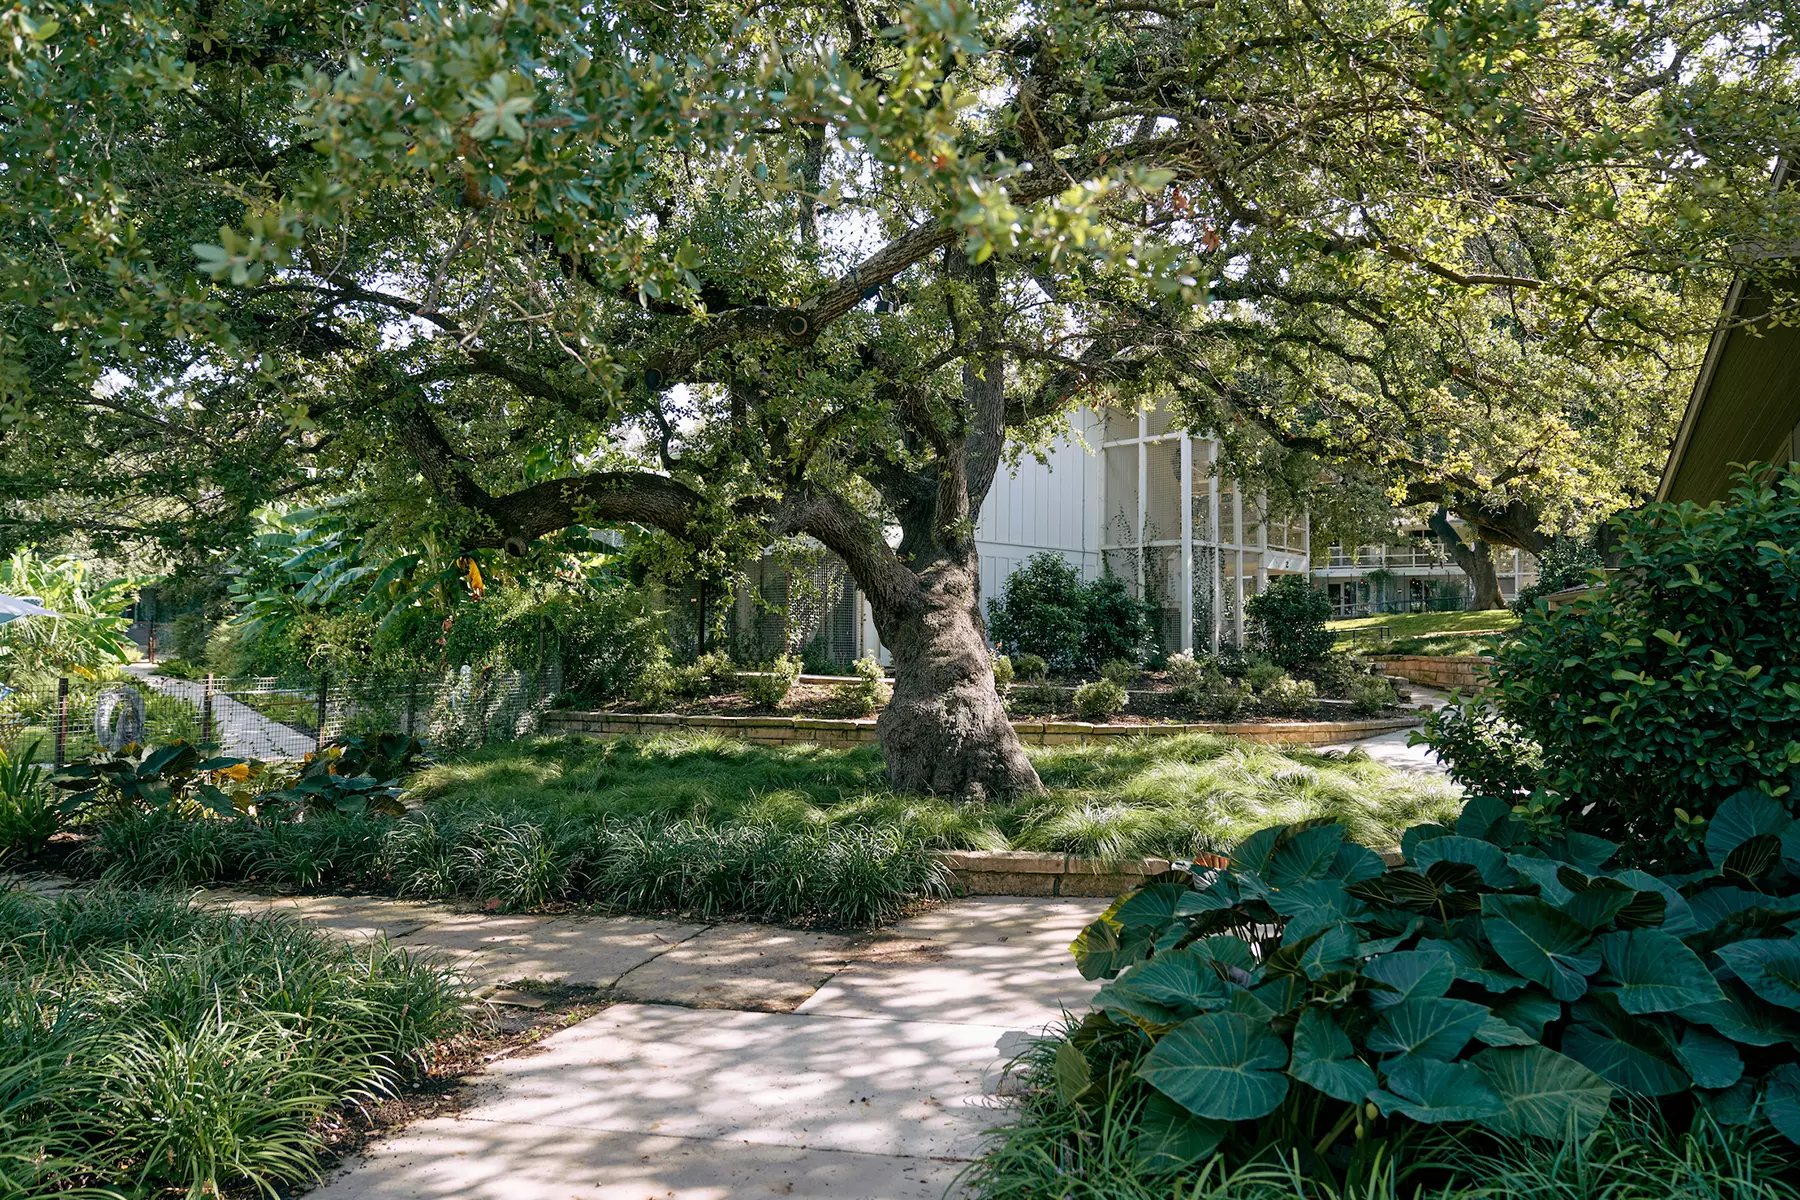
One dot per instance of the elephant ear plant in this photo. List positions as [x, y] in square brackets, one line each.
[1306, 996]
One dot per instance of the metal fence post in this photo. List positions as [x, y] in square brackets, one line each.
[206, 712]
[62, 719]
[324, 692]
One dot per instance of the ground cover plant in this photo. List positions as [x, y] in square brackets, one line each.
[799, 834]
[152, 1048]
[1305, 1001]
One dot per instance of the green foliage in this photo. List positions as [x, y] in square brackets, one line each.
[1046, 611]
[1113, 1144]
[1499, 980]
[1261, 672]
[1031, 668]
[1003, 673]
[608, 638]
[1679, 683]
[180, 668]
[1168, 797]
[1486, 753]
[870, 691]
[1120, 671]
[834, 873]
[770, 688]
[1287, 621]
[1369, 694]
[1042, 613]
[87, 635]
[28, 817]
[355, 774]
[1185, 672]
[152, 1048]
[1100, 700]
[1568, 562]
[1289, 696]
[177, 776]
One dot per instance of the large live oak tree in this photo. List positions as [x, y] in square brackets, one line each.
[743, 273]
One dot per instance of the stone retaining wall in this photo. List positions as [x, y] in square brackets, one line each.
[781, 731]
[1028, 873]
[1466, 671]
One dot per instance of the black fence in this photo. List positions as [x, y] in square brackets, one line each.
[272, 718]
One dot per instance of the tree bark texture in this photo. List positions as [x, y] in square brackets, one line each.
[1476, 560]
[946, 729]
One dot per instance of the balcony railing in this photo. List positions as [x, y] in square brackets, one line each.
[1371, 557]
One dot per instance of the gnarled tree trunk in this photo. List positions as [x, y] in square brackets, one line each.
[1476, 561]
[946, 730]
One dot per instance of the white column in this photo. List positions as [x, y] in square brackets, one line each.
[1217, 537]
[1143, 494]
[1187, 543]
[1237, 588]
[1262, 542]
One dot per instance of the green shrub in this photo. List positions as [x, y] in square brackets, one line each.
[1500, 981]
[1260, 672]
[769, 689]
[1045, 609]
[869, 692]
[1031, 668]
[1290, 696]
[609, 637]
[180, 668]
[1184, 671]
[1486, 753]
[1339, 671]
[1099, 701]
[28, 817]
[1287, 621]
[717, 673]
[1120, 671]
[1222, 699]
[1003, 673]
[1568, 562]
[1679, 683]
[1041, 612]
[1369, 694]
[152, 1048]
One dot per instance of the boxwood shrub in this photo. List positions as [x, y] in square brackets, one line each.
[1306, 996]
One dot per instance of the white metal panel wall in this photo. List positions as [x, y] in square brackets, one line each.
[1049, 505]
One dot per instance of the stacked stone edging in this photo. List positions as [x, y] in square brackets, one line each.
[1029, 873]
[781, 731]
[1466, 671]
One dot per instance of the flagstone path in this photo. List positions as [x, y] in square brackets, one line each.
[739, 1061]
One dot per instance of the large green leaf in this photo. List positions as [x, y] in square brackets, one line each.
[1166, 990]
[1472, 965]
[1545, 1094]
[1768, 967]
[1546, 873]
[1325, 1058]
[1678, 918]
[1355, 863]
[1488, 859]
[1599, 901]
[1427, 1028]
[1541, 943]
[1433, 1092]
[1781, 1100]
[1531, 1010]
[1223, 1066]
[1487, 818]
[1424, 974]
[1653, 971]
[1072, 1073]
[1103, 949]
[1746, 1018]
[1156, 904]
[1418, 835]
[1314, 905]
[1712, 1061]
[1304, 855]
[1168, 1137]
[1746, 815]
[1626, 1051]
[1497, 1031]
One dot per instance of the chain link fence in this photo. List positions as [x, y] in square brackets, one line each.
[273, 718]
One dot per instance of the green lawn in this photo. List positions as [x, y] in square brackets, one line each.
[1172, 796]
[1402, 625]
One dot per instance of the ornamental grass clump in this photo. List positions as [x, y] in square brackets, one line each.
[148, 1047]
[1507, 984]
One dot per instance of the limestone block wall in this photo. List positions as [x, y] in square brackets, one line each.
[1465, 671]
[780, 731]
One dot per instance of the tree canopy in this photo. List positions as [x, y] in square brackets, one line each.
[733, 274]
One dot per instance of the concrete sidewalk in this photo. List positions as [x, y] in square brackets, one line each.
[742, 1060]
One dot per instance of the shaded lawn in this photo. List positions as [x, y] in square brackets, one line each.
[1168, 796]
[1403, 625]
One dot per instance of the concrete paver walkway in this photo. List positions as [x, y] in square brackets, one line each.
[740, 1060]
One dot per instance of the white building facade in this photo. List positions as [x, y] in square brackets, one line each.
[1123, 491]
